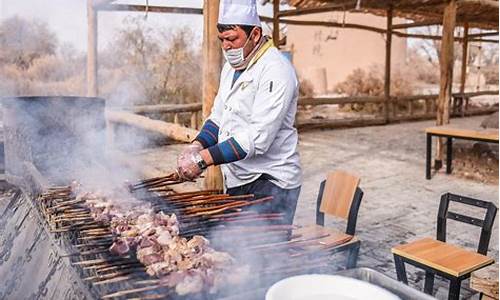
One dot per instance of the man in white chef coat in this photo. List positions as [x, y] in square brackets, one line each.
[250, 132]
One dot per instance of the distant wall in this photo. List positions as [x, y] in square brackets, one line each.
[325, 56]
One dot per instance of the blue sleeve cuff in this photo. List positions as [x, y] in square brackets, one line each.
[208, 135]
[226, 152]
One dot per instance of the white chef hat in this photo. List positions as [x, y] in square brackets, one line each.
[238, 12]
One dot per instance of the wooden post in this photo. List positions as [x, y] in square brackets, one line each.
[92, 90]
[194, 120]
[212, 61]
[387, 77]
[276, 23]
[465, 56]
[446, 77]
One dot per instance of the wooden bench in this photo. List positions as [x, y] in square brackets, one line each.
[489, 136]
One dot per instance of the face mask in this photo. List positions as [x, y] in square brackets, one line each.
[236, 57]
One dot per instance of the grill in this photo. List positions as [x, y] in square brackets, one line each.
[50, 141]
[245, 234]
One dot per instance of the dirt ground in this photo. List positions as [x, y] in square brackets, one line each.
[399, 204]
[476, 161]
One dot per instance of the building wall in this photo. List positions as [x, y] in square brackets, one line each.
[325, 56]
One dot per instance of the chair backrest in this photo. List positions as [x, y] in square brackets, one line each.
[340, 196]
[486, 223]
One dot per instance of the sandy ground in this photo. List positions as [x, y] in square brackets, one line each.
[399, 204]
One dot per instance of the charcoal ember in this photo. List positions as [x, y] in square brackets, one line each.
[120, 247]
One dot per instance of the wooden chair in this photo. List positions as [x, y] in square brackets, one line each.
[339, 196]
[438, 257]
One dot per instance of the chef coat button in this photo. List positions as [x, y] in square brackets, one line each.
[225, 107]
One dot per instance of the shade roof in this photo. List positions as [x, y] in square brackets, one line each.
[478, 13]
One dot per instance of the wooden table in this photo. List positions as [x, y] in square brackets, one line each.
[486, 281]
[489, 136]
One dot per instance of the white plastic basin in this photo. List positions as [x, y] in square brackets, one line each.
[326, 287]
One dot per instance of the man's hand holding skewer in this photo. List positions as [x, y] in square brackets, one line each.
[192, 161]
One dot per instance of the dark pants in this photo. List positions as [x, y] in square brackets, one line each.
[284, 200]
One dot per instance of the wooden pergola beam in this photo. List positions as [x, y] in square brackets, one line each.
[491, 3]
[484, 41]
[482, 34]
[416, 24]
[315, 10]
[439, 37]
[332, 24]
[153, 9]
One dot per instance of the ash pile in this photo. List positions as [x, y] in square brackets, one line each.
[64, 237]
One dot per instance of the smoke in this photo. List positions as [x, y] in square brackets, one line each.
[66, 139]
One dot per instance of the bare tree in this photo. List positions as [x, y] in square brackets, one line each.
[151, 66]
[22, 41]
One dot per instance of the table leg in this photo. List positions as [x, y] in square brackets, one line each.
[449, 154]
[428, 157]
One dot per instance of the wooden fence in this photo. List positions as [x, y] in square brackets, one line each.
[400, 108]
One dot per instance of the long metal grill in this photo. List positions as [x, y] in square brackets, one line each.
[228, 221]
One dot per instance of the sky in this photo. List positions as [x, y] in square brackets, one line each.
[68, 18]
